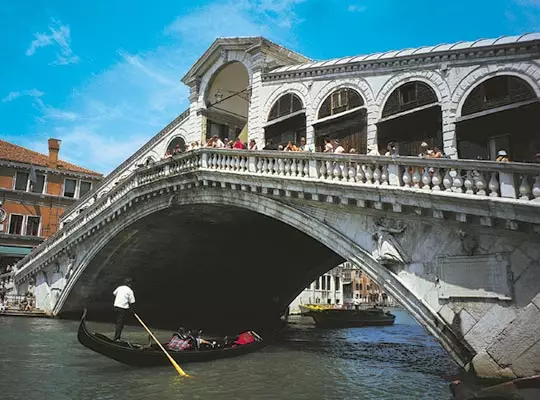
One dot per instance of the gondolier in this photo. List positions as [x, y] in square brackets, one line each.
[123, 301]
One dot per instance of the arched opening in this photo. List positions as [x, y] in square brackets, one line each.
[342, 116]
[227, 102]
[286, 121]
[411, 115]
[177, 145]
[501, 113]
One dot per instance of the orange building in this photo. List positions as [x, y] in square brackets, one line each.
[35, 189]
[357, 285]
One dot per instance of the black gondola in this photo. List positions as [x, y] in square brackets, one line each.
[143, 356]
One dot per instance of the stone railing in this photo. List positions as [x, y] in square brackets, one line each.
[458, 178]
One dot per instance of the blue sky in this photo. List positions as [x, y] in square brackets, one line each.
[104, 76]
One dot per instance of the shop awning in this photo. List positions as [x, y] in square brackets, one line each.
[14, 251]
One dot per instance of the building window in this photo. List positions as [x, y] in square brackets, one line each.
[39, 184]
[323, 283]
[368, 287]
[285, 105]
[339, 101]
[317, 284]
[337, 282]
[69, 187]
[21, 180]
[407, 97]
[358, 286]
[84, 188]
[15, 224]
[32, 226]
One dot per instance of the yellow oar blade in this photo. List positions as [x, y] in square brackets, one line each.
[174, 363]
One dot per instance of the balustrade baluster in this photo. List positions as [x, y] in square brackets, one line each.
[384, 175]
[306, 168]
[360, 177]
[480, 184]
[469, 183]
[281, 167]
[368, 173]
[457, 184]
[493, 185]
[287, 167]
[336, 171]
[294, 167]
[416, 177]
[260, 165]
[406, 178]
[524, 188]
[351, 173]
[536, 188]
[426, 179]
[377, 175]
[448, 181]
[322, 170]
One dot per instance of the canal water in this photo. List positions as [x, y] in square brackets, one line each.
[41, 359]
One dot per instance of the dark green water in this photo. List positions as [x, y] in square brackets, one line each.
[41, 359]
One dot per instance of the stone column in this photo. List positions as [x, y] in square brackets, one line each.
[255, 119]
[371, 129]
[197, 124]
[449, 145]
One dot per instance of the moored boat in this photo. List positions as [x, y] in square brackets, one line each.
[144, 356]
[352, 317]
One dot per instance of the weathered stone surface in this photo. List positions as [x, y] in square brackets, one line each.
[519, 336]
[481, 335]
[519, 262]
[477, 309]
[467, 322]
[447, 314]
[485, 366]
[527, 363]
[527, 286]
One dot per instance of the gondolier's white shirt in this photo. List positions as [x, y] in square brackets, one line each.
[124, 297]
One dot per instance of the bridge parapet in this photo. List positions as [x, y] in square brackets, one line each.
[447, 188]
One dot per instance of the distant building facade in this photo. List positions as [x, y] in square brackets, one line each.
[341, 285]
[35, 189]
[326, 289]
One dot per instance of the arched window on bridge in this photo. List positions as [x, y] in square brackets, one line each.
[342, 116]
[411, 115]
[178, 144]
[286, 121]
[501, 113]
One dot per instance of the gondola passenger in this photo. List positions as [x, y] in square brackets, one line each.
[181, 341]
[245, 338]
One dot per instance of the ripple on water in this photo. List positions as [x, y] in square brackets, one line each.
[42, 359]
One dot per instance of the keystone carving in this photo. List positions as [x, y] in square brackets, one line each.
[469, 243]
[387, 249]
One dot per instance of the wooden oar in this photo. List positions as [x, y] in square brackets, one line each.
[174, 363]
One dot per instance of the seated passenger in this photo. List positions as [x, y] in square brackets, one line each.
[245, 338]
[180, 341]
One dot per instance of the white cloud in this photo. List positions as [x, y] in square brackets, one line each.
[356, 8]
[108, 118]
[59, 36]
[16, 94]
[271, 18]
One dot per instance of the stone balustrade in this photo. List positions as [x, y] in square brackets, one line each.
[458, 178]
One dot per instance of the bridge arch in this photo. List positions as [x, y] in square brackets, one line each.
[308, 225]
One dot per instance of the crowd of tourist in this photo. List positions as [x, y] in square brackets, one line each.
[328, 146]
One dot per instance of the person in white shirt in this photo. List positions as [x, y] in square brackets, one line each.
[123, 301]
[338, 149]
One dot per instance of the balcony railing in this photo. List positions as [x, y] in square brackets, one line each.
[519, 182]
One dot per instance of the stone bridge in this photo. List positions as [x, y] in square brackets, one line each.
[224, 235]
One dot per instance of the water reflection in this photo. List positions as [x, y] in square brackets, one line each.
[42, 359]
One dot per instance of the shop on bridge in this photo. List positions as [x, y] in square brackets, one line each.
[286, 121]
[227, 103]
[411, 115]
[501, 113]
[342, 116]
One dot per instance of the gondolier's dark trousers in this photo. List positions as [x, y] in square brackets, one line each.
[120, 317]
